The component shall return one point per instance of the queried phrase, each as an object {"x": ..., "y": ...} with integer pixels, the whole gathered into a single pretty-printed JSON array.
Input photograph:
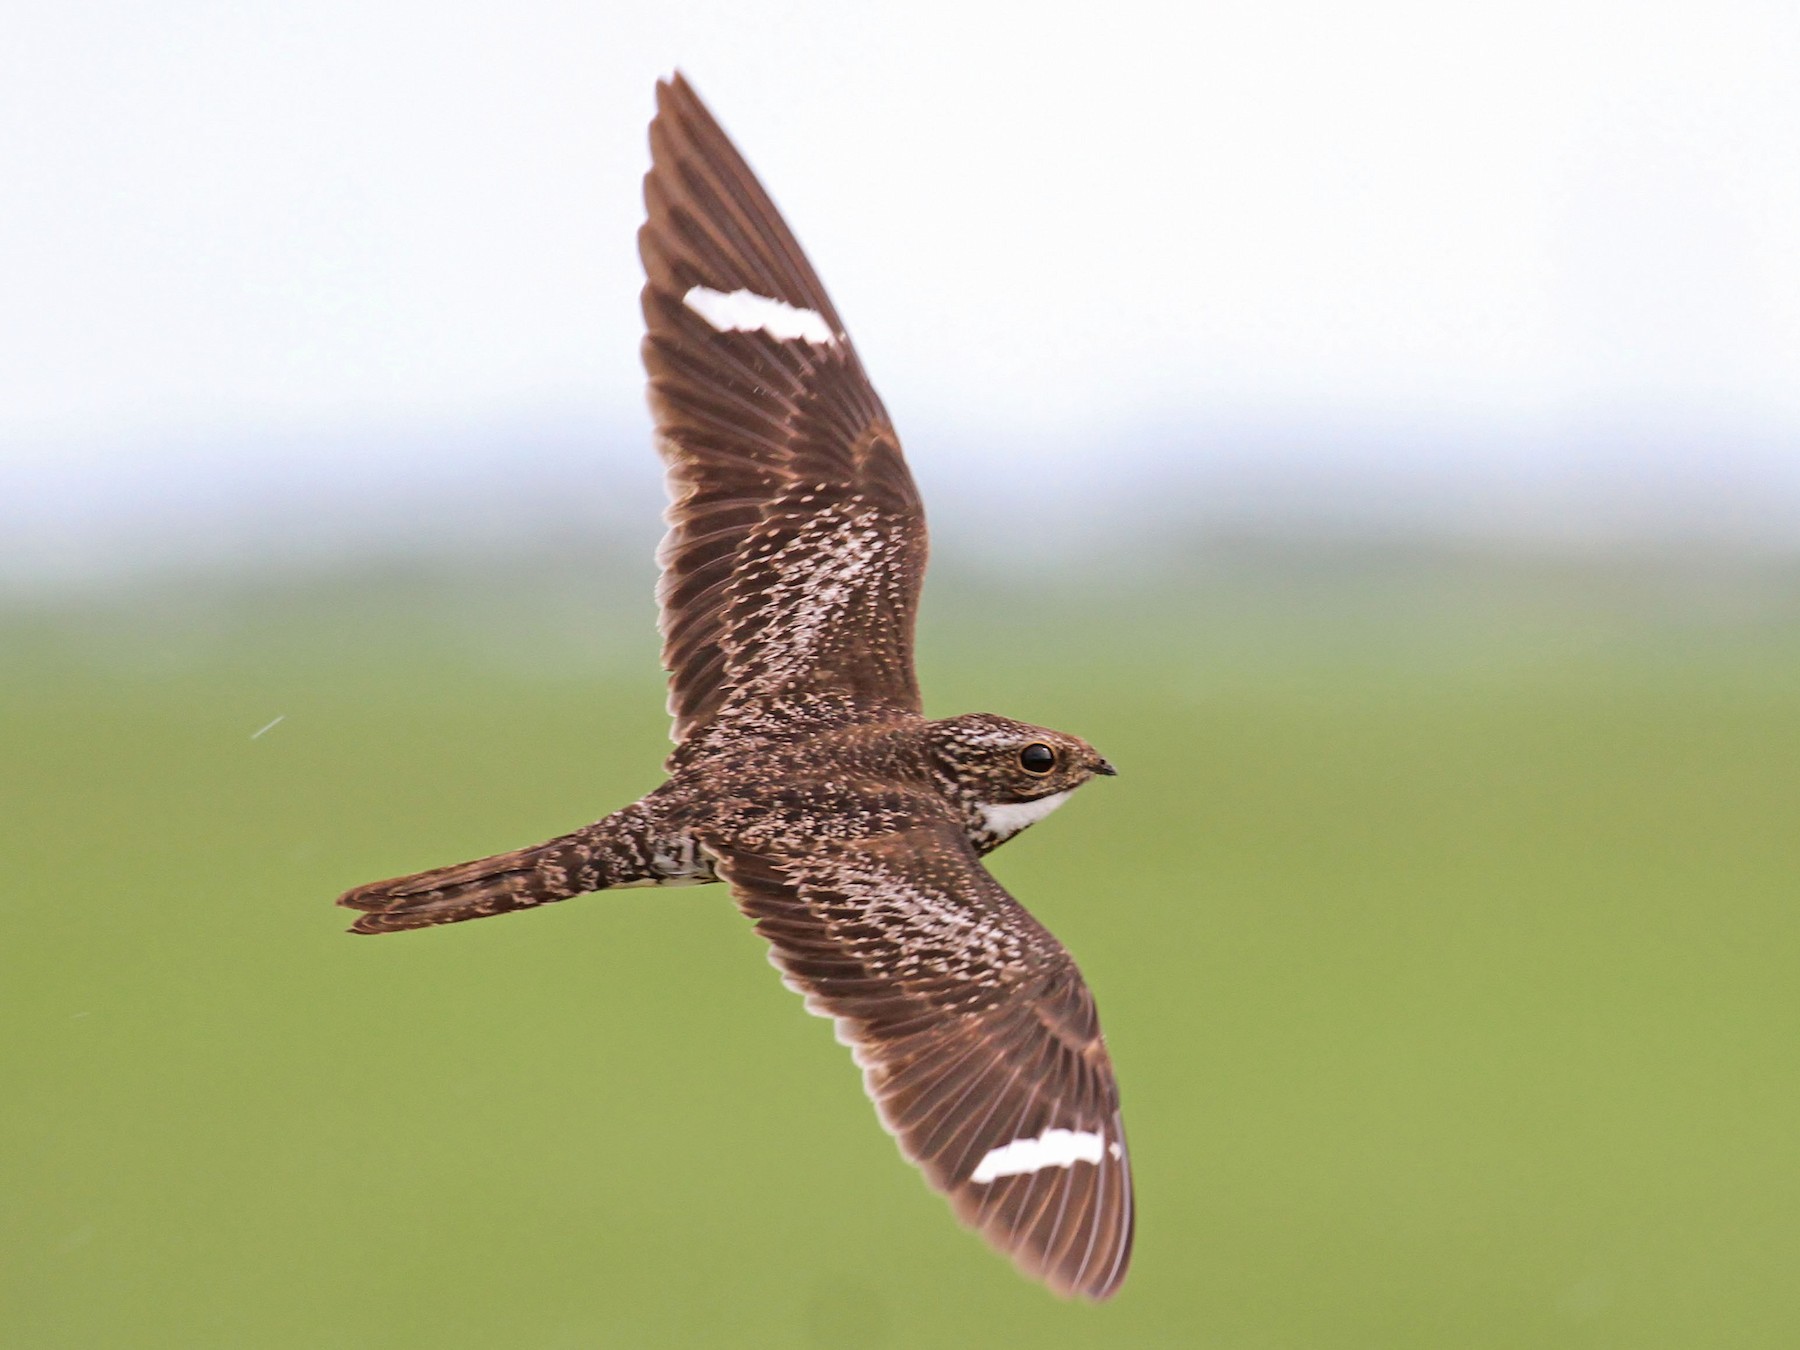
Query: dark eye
[{"x": 1037, "y": 758}]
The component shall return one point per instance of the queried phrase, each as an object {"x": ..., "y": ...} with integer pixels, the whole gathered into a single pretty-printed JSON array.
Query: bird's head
[{"x": 1011, "y": 774}]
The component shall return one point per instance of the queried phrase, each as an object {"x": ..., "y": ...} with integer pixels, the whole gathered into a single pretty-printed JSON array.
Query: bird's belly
[
  {"x": 676, "y": 859},
  {"x": 663, "y": 881}
]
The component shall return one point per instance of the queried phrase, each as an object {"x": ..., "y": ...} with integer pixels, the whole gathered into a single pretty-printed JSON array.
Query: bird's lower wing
[{"x": 977, "y": 1037}]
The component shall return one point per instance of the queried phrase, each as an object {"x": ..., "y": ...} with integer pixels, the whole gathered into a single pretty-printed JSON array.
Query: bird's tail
[{"x": 621, "y": 850}]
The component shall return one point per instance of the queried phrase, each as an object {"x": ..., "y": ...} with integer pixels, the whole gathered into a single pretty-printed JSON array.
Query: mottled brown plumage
[{"x": 805, "y": 774}]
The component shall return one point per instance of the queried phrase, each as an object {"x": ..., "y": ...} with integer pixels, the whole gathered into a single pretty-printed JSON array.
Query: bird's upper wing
[
  {"x": 796, "y": 543},
  {"x": 977, "y": 1036}
]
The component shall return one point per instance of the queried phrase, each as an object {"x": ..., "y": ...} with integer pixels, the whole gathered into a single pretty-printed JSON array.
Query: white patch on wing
[
  {"x": 1053, "y": 1148},
  {"x": 748, "y": 312},
  {"x": 1008, "y": 818}
]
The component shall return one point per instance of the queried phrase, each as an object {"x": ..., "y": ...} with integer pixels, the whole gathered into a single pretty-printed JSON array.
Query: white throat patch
[
  {"x": 1008, "y": 818},
  {"x": 748, "y": 312}
]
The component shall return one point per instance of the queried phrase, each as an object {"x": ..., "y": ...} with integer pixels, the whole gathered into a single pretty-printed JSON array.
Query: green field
[{"x": 1447, "y": 958}]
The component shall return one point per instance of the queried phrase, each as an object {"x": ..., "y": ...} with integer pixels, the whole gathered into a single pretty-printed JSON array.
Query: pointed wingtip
[{"x": 675, "y": 87}]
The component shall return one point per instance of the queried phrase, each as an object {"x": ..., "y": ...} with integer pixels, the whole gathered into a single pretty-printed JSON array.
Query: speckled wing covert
[
  {"x": 796, "y": 541},
  {"x": 977, "y": 1036}
]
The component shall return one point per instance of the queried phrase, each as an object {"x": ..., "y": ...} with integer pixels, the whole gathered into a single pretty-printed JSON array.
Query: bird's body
[{"x": 805, "y": 774}]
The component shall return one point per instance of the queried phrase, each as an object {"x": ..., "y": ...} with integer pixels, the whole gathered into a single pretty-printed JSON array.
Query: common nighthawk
[{"x": 805, "y": 774}]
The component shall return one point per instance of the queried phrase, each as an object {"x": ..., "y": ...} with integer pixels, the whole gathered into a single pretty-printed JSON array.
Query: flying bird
[{"x": 805, "y": 775}]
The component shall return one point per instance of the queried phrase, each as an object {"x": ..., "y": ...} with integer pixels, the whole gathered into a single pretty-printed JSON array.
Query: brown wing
[
  {"x": 978, "y": 1040},
  {"x": 796, "y": 541}
]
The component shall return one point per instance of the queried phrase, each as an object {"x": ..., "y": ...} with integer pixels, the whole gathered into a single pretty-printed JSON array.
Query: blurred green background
[
  {"x": 1374, "y": 427},
  {"x": 1442, "y": 920}
]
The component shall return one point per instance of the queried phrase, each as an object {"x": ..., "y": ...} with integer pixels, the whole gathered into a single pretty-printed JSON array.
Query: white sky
[{"x": 238, "y": 217}]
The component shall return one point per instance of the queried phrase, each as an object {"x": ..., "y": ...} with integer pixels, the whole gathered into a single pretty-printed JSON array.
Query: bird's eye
[{"x": 1037, "y": 758}]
